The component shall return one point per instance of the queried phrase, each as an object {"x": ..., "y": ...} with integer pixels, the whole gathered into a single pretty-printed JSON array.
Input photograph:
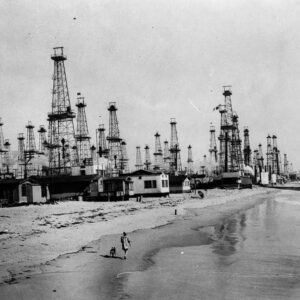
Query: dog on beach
[
  {"x": 201, "y": 195},
  {"x": 112, "y": 252}
]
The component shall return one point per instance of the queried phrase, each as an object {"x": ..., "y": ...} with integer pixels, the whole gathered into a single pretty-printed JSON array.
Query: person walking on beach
[{"x": 125, "y": 243}]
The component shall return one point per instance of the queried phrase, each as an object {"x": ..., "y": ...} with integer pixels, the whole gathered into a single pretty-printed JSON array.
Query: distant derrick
[
  {"x": 42, "y": 140},
  {"x": 30, "y": 141},
  {"x": 101, "y": 142},
  {"x": 236, "y": 146},
  {"x": 114, "y": 140},
  {"x": 213, "y": 152},
  {"x": 147, "y": 158},
  {"x": 190, "y": 168},
  {"x": 275, "y": 157},
  {"x": 175, "y": 164},
  {"x": 166, "y": 156},
  {"x": 2, "y": 148},
  {"x": 285, "y": 165},
  {"x": 158, "y": 155},
  {"x": 7, "y": 155},
  {"x": 224, "y": 139},
  {"x": 269, "y": 155},
  {"x": 247, "y": 149},
  {"x": 124, "y": 166},
  {"x": 138, "y": 164},
  {"x": 260, "y": 158},
  {"x": 61, "y": 142},
  {"x": 82, "y": 134}
]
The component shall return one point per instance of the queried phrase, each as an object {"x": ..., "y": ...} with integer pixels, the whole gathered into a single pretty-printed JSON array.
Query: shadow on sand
[{"x": 108, "y": 256}]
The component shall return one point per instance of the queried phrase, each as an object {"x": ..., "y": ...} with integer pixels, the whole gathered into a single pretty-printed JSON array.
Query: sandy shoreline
[{"x": 40, "y": 249}]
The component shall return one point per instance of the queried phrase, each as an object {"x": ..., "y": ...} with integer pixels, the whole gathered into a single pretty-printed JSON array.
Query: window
[
  {"x": 24, "y": 190},
  {"x": 150, "y": 184},
  {"x": 165, "y": 183},
  {"x": 147, "y": 184}
]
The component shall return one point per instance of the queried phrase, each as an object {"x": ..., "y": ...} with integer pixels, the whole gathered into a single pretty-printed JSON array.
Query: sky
[{"x": 157, "y": 60}]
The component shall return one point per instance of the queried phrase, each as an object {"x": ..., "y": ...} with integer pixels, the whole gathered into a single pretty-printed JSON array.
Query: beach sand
[{"x": 61, "y": 251}]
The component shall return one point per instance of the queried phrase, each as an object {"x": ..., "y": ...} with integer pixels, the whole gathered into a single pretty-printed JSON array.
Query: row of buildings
[{"x": 141, "y": 183}]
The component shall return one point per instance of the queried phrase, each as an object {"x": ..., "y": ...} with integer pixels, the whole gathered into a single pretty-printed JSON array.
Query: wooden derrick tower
[
  {"x": 175, "y": 164},
  {"x": 61, "y": 143},
  {"x": 82, "y": 134}
]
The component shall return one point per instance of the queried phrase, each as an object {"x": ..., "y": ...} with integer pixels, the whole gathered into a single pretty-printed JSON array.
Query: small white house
[
  {"x": 149, "y": 183},
  {"x": 16, "y": 191}
]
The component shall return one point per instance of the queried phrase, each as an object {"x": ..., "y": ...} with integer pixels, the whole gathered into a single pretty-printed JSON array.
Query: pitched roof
[{"x": 143, "y": 172}]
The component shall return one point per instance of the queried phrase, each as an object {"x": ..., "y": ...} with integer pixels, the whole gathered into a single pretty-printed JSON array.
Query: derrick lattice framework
[
  {"x": 247, "y": 149},
  {"x": 138, "y": 163},
  {"x": 285, "y": 165},
  {"x": 7, "y": 155},
  {"x": 2, "y": 148},
  {"x": 61, "y": 140},
  {"x": 147, "y": 162},
  {"x": 230, "y": 155},
  {"x": 275, "y": 160},
  {"x": 42, "y": 140},
  {"x": 269, "y": 155},
  {"x": 175, "y": 164},
  {"x": 236, "y": 146},
  {"x": 124, "y": 166},
  {"x": 82, "y": 134},
  {"x": 101, "y": 142},
  {"x": 190, "y": 162},
  {"x": 114, "y": 140},
  {"x": 260, "y": 158},
  {"x": 166, "y": 155},
  {"x": 213, "y": 152},
  {"x": 158, "y": 154}
]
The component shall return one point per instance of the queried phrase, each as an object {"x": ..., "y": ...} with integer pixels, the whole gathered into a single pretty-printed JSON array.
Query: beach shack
[
  {"x": 15, "y": 191},
  {"x": 114, "y": 189},
  {"x": 180, "y": 184},
  {"x": 149, "y": 183}
]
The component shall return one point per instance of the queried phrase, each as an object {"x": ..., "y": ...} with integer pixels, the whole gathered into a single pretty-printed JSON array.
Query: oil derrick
[
  {"x": 42, "y": 140},
  {"x": 21, "y": 151},
  {"x": 213, "y": 152},
  {"x": 138, "y": 164},
  {"x": 124, "y": 166},
  {"x": 223, "y": 143},
  {"x": 147, "y": 158},
  {"x": 275, "y": 160},
  {"x": 247, "y": 149},
  {"x": 82, "y": 134},
  {"x": 166, "y": 156},
  {"x": 226, "y": 132},
  {"x": 269, "y": 155},
  {"x": 101, "y": 142},
  {"x": 260, "y": 158},
  {"x": 175, "y": 164},
  {"x": 158, "y": 155},
  {"x": 236, "y": 146},
  {"x": 190, "y": 169},
  {"x": 285, "y": 165},
  {"x": 280, "y": 168},
  {"x": 2, "y": 148},
  {"x": 30, "y": 149},
  {"x": 255, "y": 160},
  {"x": 7, "y": 155},
  {"x": 114, "y": 140},
  {"x": 61, "y": 134}
]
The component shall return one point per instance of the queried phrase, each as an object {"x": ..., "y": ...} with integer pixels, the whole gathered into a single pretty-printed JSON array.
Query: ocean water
[{"x": 254, "y": 254}]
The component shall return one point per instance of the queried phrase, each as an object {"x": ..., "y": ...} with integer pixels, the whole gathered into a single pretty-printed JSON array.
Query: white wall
[{"x": 139, "y": 185}]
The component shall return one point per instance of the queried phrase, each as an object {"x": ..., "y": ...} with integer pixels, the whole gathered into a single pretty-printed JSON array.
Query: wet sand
[{"x": 91, "y": 274}]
